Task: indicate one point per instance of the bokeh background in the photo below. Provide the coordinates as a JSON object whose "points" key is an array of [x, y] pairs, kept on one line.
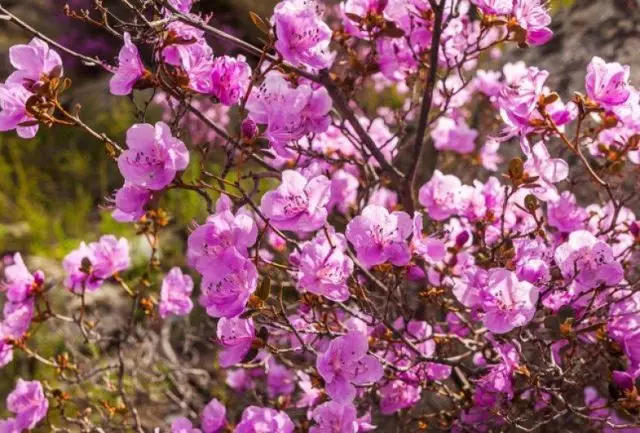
{"points": [[53, 187]]}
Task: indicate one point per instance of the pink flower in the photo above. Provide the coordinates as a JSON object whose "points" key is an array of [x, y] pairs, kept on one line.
{"points": [[130, 68], [455, 136], [13, 111], [183, 6], [443, 196], [607, 83], [565, 215], [344, 191], [28, 403], [379, 236], [213, 417], [154, 156], [302, 37], [197, 61], [181, 39], [297, 204], [518, 101], [236, 336], [175, 294], [534, 18], [264, 420], [494, 7], [588, 260], [226, 295], [33, 62], [280, 380], [17, 319], [183, 425], [19, 282], [508, 303], [6, 350], [549, 170], [345, 364], [323, 267], [130, 201], [398, 395], [332, 417], [230, 79]]}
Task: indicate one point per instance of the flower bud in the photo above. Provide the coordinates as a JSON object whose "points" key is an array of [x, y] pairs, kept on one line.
{"points": [[248, 129]]}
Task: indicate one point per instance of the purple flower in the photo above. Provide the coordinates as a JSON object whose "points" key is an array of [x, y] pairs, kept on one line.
{"points": [[175, 294], [518, 102], [344, 191], [183, 425], [508, 303], [130, 201], [332, 417], [236, 336], [280, 380], [379, 236], [28, 403], [607, 83], [230, 79], [534, 19], [13, 111], [565, 215], [6, 350], [494, 7], [154, 156], [130, 68], [264, 420], [456, 136], [588, 260], [213, 417], [19, 282], [443, 196], [9, 426], [345, 364], [181, 39], [17, 319], [397, 395], [197, 61], [183, 6], [297, 204], [226, 295], [302, 37], [33, 62], [323, 267]]}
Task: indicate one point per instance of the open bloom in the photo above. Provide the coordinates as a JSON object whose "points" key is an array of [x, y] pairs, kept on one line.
{"points": [[378, 236], [332, 417], [565, 214], [443, 196], [17, 319], [607, 83], [130, 201], [397, 395], [303, 38], [154, 156], [226, 295], [297, 204], [13, 111], [175, 294], [588, 260], [508, 302], [33, 62], [213, 417], [19, 282], [345, 364], [323, 267], [29, 404], [230, 78], [494, 7], [183, 425], [264, 420], [236, 336], [533, 17], [130, 68]]}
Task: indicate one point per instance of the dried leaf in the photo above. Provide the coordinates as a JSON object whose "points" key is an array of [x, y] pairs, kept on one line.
{"points": [[259, 22]]}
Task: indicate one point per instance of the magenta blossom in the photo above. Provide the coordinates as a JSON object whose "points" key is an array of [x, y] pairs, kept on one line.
{"points": [[607, 83], [13, 111], [130, 68], [236, 336], [588, 260], [213, 417], [455, 136], [323, 266], [17, 319], [379, 236], [175, 294], [226, 295], [298, 204], [332, 417], [508, 302], [280, 380], [494, 7], [19, 282], [533, 17], [29, 404], [230, 78], [130, 201], [264, 420], [303, 37], [345, 364], [565, 215], [33, 62], [398, 395], [6, 350], [183, 425], [443, 196], [154, 156]]}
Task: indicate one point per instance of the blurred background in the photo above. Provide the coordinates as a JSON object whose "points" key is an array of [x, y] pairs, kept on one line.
{"points": [[52, 188]]}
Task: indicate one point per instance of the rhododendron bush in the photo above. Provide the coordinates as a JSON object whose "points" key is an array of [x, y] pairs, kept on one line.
{"points": [[364, 266]]}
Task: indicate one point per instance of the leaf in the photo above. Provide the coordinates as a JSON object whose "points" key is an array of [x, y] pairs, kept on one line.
{"points": [[516, 168], [531, 202], [259, 22], [264, 290]]}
